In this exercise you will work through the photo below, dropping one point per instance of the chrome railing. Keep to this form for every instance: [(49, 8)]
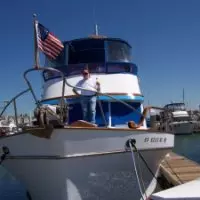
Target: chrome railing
[(63, 103)]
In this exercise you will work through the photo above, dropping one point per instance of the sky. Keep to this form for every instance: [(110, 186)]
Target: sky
[(164, 35)]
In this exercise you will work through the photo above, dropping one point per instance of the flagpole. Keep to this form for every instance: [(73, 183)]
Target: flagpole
[(36, 51)]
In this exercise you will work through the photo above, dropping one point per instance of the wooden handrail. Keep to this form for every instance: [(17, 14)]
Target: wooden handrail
[(133, 125)]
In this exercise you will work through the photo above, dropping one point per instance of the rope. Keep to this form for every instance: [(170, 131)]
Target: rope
[(135, 168), (101, 110), (132, 145), (147, 166), (140, 171)]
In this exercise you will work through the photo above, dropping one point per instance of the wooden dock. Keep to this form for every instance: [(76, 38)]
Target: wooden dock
[(178, 169)]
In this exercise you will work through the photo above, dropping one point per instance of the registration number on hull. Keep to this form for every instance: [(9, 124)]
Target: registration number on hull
[(155, 139)]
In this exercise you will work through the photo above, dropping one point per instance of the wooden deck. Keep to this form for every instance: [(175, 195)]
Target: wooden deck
[(178, 169)]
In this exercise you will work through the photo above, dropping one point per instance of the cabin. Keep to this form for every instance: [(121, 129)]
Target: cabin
[(110, 61)]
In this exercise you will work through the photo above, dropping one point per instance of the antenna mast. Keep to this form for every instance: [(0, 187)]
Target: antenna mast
[(96, 31)]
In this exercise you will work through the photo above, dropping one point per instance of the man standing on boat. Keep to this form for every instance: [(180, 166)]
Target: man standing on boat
[(88, 98)]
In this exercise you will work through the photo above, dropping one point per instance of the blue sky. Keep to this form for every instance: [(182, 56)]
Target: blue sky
[(165, 36)]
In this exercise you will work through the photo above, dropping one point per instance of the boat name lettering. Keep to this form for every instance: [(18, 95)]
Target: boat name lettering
[(155, 139)]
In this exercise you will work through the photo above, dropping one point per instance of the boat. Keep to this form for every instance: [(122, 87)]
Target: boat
[(63, 157), (188, 190), (7, 127), (175, 118)]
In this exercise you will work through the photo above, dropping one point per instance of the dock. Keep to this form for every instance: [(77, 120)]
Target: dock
[(176, 169)]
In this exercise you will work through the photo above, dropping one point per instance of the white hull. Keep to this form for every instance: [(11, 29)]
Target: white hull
[(85, 164), (182, 127), (53, 88)]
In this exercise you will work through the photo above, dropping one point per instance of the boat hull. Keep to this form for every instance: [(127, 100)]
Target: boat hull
[(182, 128), (85, 164)]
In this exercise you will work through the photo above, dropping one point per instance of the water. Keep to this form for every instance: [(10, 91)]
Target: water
[(188, 146), (10, 187)]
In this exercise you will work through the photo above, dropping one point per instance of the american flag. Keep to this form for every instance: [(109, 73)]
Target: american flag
[(47, 42)]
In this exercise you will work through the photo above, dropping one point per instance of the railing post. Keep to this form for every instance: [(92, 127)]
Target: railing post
[(109, 115), (15, 109)]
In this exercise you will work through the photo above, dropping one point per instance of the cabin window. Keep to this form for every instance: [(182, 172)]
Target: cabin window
[(86, 51), (182, 118), (121, 68), (51, 74), (93, 68), (118, 51), (72, 70), (59, 61)]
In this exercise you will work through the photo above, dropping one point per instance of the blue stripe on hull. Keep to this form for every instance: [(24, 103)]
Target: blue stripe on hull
[(102, 98)]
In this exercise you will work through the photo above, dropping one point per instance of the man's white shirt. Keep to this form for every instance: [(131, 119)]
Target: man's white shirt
[(87, 84)]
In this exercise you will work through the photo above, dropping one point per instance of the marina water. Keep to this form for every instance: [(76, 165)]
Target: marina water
[(188, 146)]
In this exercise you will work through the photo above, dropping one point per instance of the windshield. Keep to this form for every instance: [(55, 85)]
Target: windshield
[(86, 51), (179, 119), (92, 51), (175, 107), (118, 51)]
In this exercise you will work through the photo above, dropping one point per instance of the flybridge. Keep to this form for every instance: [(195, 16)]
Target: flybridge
[(92, 50)]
